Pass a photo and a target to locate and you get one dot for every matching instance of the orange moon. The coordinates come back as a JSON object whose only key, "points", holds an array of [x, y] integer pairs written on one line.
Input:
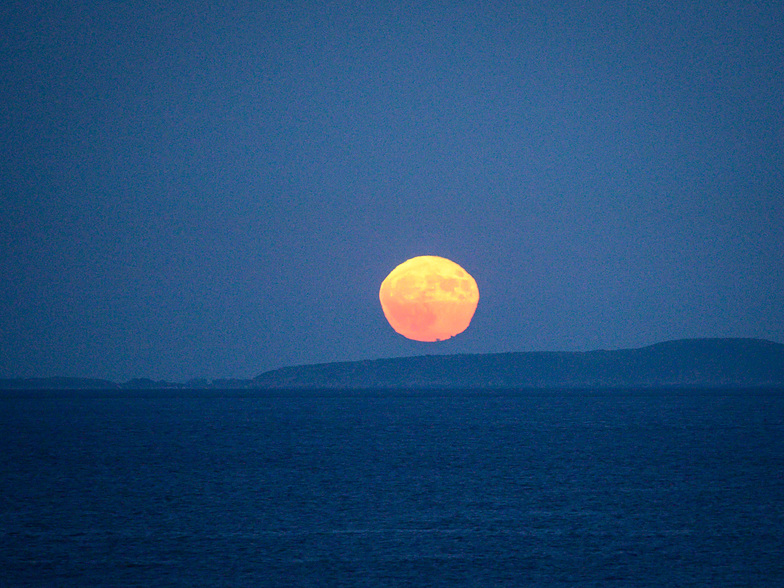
{"points": [[429, 298]]}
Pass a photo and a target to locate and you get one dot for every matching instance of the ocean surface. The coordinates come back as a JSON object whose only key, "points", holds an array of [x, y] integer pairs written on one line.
{"points": [[379, 488]]}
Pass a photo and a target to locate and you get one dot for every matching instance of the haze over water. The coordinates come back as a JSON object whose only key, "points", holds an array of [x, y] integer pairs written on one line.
{"points": [[620, 488]]}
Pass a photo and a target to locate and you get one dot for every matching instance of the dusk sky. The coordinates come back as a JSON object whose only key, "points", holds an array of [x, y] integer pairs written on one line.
{"points": [[216, 189]]}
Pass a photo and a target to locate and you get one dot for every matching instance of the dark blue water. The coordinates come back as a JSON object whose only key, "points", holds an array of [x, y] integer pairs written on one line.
{"points": [[592, 488]]}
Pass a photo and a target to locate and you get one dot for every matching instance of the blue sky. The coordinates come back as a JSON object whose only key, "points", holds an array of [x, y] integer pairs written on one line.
{"points": [[193, 189]]}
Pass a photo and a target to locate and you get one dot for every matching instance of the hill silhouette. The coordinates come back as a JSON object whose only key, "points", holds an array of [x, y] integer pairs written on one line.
{"points": [[682, 363]]}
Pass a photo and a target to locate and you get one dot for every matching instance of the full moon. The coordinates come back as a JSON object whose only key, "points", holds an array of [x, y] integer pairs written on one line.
{"points": [[429, 298]]}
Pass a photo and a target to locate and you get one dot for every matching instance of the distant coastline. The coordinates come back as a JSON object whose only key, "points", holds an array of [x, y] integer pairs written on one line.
{"points": [[681, 363]]}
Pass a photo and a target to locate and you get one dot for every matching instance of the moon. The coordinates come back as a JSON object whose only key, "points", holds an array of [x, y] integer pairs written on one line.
{"points": [[429, 298]]}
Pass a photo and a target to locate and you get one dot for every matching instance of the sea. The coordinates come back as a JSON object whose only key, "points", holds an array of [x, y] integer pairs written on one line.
{"points": [[392, 488]]}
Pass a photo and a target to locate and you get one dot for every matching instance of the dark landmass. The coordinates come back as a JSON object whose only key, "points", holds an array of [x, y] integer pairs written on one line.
{"points": [[61, 383], [684, 363], [56, 383]]}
